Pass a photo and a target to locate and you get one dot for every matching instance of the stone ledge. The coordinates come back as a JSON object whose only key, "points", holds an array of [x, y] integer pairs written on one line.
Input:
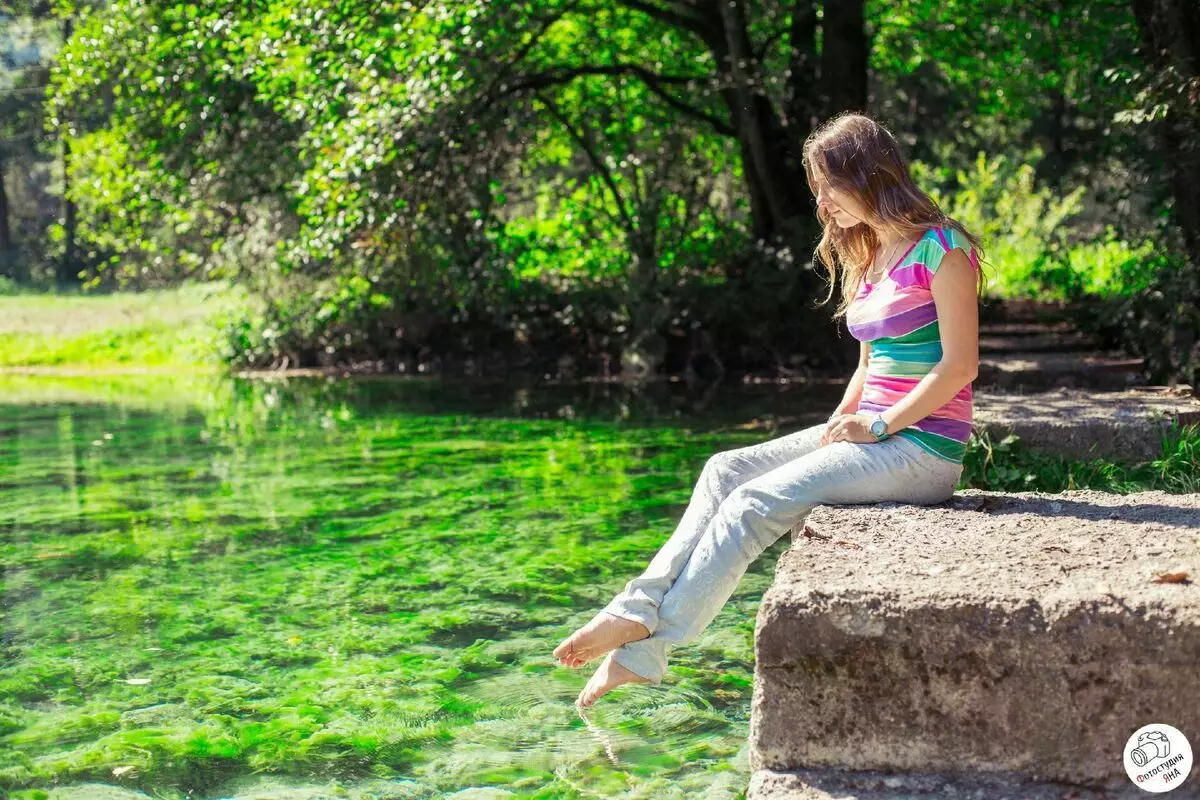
{"points": [[1043, 371], [1055, 328], [1121, 425], [1022, 633], [1052, 341]]}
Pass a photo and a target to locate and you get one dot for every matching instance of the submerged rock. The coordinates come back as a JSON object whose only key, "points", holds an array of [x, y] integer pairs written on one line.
{"points": [[281, 787], [156, 716], [480, 794], [96, 791]]}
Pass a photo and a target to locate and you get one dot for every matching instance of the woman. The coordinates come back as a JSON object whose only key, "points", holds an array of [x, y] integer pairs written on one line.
{"points": [[910, 293]]}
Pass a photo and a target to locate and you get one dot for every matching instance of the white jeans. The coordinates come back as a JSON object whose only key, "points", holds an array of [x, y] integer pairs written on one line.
{"points": [[744, 501]]}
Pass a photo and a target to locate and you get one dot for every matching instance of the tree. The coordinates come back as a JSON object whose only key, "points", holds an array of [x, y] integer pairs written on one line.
{"points": [[1171, 101], [23, 80]]}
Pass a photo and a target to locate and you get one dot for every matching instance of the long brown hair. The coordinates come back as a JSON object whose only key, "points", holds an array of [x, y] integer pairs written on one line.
{"points": [[859, 157]]}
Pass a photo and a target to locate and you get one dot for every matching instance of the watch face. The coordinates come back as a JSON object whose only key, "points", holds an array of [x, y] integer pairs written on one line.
{"points": [[878, 427]]}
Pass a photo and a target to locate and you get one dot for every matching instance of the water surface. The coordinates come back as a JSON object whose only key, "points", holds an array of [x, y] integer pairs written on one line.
{"points": [[218, 586]]}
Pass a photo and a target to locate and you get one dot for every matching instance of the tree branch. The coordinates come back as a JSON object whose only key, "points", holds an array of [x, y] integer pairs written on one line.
{"points": [[521, 54], [654, 82], [601, 168], [760, 53], [670, 16]]}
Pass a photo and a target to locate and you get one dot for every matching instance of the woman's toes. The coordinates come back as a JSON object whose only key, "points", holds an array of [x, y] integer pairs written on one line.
{"points": [[568, 653], [608, 676], [564, 651]]}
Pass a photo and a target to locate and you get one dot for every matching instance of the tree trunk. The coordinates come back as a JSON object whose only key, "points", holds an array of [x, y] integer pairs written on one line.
{"points": [[804, 108], [5, 228], [844, 57], [770, 151], [769, 139], [67, 269], [1170, 31]]}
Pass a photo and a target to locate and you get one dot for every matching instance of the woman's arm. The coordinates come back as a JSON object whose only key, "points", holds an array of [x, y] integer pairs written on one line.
{"points": [[954, 295], [854, 389], [853, 394]]}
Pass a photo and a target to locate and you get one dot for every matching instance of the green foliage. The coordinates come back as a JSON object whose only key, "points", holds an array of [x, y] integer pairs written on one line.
{"points": [[1021, 224], [1006, 466], [1033, 53], [1106, 267], [1156, 315], [393, 201], [1028, 238], [366, 167]]}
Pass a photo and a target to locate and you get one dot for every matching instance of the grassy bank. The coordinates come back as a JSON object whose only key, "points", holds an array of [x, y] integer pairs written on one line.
{"points": [[169, 329], [1007, 466]]}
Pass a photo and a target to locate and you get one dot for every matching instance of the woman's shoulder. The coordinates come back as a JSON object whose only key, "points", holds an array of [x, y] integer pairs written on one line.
{"points": [[946, 237], [938, 240]]}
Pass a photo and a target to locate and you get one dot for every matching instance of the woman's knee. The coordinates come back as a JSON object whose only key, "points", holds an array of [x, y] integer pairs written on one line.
{"points": [[720, 469], [759, 512]]}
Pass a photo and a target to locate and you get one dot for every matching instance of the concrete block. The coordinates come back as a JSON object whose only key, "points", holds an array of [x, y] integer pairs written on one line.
{"points": [[1027, 634], [1119, 425]]}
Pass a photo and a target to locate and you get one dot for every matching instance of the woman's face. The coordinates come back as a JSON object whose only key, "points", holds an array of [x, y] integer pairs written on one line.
{"points": [[842, 208]]}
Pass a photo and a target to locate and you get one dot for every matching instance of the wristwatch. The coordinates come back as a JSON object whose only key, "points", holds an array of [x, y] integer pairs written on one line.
{"points": [[878, 427]]}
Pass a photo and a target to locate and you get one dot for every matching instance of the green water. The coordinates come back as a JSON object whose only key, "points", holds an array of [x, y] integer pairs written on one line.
{"points": [[213, 586]]}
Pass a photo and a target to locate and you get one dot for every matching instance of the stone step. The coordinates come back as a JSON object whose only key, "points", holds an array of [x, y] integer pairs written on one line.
{"points": [[1024, 328], [1123, 425], [1023, 311], [1023, 634], [1065, 340], [1052, 370]]}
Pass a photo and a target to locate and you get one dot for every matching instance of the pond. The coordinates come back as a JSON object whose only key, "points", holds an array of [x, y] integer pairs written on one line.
{"points": [[222, 588]]}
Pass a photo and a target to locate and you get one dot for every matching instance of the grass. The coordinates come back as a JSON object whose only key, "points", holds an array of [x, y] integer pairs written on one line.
{"points": [[167, 329], [1006, 466]]}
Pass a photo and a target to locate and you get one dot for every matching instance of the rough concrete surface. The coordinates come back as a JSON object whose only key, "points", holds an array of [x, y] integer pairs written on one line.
{"points": [[1120, 425], [1023, 633], [830, 784]]}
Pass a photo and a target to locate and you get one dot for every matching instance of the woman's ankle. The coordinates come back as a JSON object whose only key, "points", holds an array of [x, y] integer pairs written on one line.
{"points": [[636, 619]]}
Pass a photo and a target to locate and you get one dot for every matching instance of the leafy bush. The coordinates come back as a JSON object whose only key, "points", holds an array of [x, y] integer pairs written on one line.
{"points": [[1021, 225], [1155, 315], [1006, 466]]}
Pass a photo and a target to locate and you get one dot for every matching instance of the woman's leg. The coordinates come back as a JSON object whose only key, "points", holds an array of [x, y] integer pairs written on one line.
{"points": [[753, 517], [722, 474], [633, 613]]}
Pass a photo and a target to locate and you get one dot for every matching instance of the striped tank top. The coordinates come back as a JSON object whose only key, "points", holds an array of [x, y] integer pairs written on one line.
{"points": [[897, 317]]}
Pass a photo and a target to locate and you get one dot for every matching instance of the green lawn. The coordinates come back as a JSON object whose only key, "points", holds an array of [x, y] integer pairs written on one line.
{"points": [[168, 329]]}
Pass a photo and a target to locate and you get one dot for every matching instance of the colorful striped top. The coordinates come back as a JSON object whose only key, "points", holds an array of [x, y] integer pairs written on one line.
{"points": [[897, 317]]}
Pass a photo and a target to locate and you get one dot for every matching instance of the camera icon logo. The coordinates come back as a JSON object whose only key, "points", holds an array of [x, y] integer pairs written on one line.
{"points": [[1158, 757]]}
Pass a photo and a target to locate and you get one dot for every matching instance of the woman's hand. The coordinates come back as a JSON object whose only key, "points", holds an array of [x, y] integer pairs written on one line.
{"points": [[833, 420], [848, 428]]}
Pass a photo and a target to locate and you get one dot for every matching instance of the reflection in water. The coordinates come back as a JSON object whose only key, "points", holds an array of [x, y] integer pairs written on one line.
{"points": [[216, 589]]}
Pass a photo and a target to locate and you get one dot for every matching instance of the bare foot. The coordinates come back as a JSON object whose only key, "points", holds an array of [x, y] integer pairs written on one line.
{"points": [[608, 676], [605, 632]]}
